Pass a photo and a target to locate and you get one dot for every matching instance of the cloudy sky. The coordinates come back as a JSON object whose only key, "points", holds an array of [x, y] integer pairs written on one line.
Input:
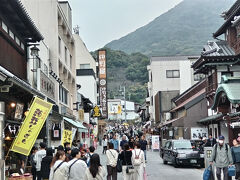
{"points": [[102, 21]]}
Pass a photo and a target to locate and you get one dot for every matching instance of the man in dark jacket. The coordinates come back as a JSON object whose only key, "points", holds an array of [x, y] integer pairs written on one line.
{"points": [[144, 144], [211, 141], [45, 165]]}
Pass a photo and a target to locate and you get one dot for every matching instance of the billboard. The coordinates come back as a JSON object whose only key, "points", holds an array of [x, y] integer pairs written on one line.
{"points": [[102, 62]]}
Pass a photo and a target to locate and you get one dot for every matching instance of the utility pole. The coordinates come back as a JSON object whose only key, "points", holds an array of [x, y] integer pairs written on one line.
{"points": [[2, 113]]}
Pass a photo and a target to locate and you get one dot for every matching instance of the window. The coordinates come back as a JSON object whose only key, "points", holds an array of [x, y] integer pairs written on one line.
{"points": [[199, 77], [228, 74], [70, 62], [66, 55], [22, 46], [63, 95], [84, 66], [173, 74], [17, 41], [11, 34], [4, 26]]}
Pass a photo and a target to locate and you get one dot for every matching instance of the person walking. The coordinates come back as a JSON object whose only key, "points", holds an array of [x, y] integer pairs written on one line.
{"points": [[89, 155], [115, 142], [143, 144], [112, 157], [77, 167], [210, 141], [32, 163], [126, 157], [68, 154], [236, 157], [95, 142], [104, 142], [96, 171], [138, 162], [222, 158], [45, 165], [124, 141], [59, 168], [38, 159]]}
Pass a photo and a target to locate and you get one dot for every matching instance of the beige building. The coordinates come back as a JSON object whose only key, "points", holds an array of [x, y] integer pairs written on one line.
{"points": [[171, 76]]}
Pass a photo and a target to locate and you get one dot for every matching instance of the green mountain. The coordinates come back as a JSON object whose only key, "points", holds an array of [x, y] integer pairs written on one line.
{"points": [[129, 71], [183, 30]]}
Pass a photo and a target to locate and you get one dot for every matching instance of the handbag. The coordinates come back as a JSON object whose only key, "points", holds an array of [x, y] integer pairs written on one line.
{"points": [[130, 168], [119, 165], [231, 170], [207, 173]]}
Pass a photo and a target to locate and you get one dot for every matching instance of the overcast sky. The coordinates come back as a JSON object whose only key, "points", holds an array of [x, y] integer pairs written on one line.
{"points": [[102, 21]]}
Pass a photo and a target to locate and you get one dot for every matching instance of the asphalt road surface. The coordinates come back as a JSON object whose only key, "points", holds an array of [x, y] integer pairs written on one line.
{"points": [[156, 170]]}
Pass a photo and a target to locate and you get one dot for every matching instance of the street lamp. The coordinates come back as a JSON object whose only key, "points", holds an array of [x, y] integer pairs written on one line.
{"points": [[34, 51]]}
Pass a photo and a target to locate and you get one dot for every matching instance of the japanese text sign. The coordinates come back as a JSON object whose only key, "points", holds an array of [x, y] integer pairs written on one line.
{"points": [[31, 126], [103, 82], [67, 137]]}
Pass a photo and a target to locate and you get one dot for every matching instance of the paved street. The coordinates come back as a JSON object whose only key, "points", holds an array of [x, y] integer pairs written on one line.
{"points": [[156, 170]]}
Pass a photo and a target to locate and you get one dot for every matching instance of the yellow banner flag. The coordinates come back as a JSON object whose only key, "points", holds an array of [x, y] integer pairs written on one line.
{"points": [[67, 137], [31, 126]]}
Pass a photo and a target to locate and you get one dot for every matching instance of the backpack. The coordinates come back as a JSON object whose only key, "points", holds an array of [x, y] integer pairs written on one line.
{"points": [[226, 148], [137, 159]]}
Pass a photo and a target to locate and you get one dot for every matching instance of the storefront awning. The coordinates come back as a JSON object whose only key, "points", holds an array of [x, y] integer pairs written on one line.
{"points": [[169, 122], [77, 124], [210, 118], [230, 86]]}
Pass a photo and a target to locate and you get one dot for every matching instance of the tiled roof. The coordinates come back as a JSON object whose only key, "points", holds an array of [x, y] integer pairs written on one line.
{"points": [[231, 87], [172, 58], [219, 48], [210, 118]]}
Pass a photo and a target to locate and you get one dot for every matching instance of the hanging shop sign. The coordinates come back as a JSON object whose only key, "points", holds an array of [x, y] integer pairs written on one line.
{"points": [[67, 137], [81, 114], [103, 82], [19, 111], [56, 131], [96, 111], [32, 126], [196, 133]]}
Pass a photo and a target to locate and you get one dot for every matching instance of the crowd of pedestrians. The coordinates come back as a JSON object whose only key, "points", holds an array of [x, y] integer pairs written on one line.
{"points": [[126, 156]]}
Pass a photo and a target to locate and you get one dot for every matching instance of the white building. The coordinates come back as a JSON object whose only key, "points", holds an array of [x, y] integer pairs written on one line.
{"points": [[116, 110], [54, 20], [86, 70], [171, 74]]}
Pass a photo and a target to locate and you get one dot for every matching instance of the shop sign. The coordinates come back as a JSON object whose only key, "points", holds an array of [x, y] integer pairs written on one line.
{"points": [[155, 142], [19, 111], [47, 86], [67, 137], [81, 114], [198, 132], [103, 82], [235, 124], [96, 112], [32, 126]]}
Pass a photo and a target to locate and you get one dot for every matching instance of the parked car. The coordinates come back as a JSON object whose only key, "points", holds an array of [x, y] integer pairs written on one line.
{"points": [[181, 152]]}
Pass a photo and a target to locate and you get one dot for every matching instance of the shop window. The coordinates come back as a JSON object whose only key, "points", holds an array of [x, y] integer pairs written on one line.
{"points": [[173, 74]]}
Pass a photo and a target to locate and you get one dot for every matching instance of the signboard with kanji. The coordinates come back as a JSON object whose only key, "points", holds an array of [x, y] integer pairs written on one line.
{"points": [[96, 111], [31, 127], [103, 82], [67, 137]]}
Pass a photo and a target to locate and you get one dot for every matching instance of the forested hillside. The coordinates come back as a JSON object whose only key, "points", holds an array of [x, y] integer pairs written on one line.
{"points": [[181, 31]]}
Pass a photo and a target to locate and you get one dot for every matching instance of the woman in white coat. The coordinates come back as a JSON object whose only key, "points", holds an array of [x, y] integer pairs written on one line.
{"points": [[138, 162], [59, 168]]}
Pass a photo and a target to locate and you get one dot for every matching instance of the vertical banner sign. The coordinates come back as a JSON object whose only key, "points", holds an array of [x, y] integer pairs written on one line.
{"points": [[155, 142], [103, 82], [67, 137], [32, 126]]}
